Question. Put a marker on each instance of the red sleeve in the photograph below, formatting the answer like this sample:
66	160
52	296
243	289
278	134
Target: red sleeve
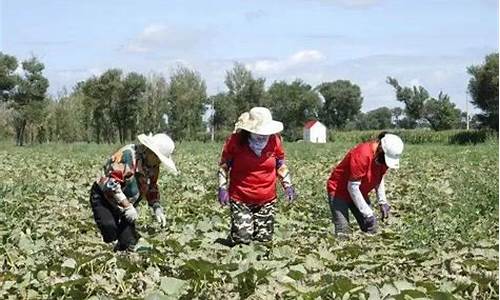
228	149
279	151
358	164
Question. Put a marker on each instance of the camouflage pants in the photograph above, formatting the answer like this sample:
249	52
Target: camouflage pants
252	222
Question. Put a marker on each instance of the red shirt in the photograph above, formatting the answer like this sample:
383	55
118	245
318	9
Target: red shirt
359	163
252	179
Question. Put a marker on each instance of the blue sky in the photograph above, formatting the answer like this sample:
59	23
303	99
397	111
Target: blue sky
426	42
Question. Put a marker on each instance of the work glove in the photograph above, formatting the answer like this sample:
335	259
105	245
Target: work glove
223	196
384	210
370	224
158	213
290	194
130	213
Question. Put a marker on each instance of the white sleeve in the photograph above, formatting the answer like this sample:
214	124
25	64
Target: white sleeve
358	199
380	190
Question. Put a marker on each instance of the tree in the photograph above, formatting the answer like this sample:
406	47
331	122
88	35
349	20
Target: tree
483	88
187	97
414	99
293	104
342	102
225	112
154	105
8	77
397	113
133	87
441	113
244	91
28	97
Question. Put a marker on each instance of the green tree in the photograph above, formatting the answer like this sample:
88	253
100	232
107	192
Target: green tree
483	88
244	90
441	113
8	77
133	87
154	105
414	99
342	102
225	112
28	97
187	97
293	104
397	113
96	99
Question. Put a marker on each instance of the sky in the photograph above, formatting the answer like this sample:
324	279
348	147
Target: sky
426	42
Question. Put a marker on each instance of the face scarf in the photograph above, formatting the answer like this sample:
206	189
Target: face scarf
257	142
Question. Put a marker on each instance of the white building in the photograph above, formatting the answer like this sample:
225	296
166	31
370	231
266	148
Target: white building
314	132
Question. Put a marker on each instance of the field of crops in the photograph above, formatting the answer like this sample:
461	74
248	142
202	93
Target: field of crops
440	243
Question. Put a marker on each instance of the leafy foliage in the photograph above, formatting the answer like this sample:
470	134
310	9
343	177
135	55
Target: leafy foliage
440	243
342	102
483	87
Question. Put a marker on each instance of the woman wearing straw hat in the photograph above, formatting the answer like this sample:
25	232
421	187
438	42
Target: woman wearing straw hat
130	174
361	171
252	159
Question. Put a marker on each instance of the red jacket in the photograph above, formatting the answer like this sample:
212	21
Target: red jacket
359	163
252	179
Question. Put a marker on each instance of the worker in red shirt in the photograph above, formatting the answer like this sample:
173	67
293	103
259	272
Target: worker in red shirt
252	159
361	171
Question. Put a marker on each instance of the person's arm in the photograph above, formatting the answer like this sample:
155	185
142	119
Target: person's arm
380	191
283	172
384	206
358	199
111	184
358	167
225	164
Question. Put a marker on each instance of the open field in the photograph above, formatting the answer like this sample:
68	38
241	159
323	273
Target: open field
440	243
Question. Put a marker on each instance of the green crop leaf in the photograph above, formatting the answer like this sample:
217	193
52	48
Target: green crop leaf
172	286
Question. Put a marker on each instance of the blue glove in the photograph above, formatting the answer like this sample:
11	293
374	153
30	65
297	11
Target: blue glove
290	193
384	210
223	196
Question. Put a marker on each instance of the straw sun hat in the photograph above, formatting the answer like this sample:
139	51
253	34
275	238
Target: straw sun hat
259	121
163	146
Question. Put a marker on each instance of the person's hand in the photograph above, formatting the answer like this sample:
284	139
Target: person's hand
384	210
130	213
159	215
290	193
371	224
223	196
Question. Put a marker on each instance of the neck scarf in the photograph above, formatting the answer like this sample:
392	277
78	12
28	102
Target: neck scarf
257	142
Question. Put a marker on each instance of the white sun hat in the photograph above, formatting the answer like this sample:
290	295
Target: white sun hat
259	121
393	147
163	146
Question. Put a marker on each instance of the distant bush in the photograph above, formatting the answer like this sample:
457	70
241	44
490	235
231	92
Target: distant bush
472	137
416	136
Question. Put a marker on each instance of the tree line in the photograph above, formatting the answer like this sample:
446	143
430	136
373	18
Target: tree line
116	106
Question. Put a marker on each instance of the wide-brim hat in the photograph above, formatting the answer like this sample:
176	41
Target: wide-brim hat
392	145
259	121
161	145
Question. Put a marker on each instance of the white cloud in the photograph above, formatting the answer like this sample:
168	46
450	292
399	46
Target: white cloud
157	36
300	58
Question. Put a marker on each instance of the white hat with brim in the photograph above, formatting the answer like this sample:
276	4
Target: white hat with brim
393	148
160	144
259	121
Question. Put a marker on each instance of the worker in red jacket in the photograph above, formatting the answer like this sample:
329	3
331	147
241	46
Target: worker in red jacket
252	159
361	171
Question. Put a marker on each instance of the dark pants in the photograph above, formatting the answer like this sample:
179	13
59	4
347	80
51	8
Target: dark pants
252	222
340	215
110	222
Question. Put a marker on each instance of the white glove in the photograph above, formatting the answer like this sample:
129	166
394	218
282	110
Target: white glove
130	213
158	212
